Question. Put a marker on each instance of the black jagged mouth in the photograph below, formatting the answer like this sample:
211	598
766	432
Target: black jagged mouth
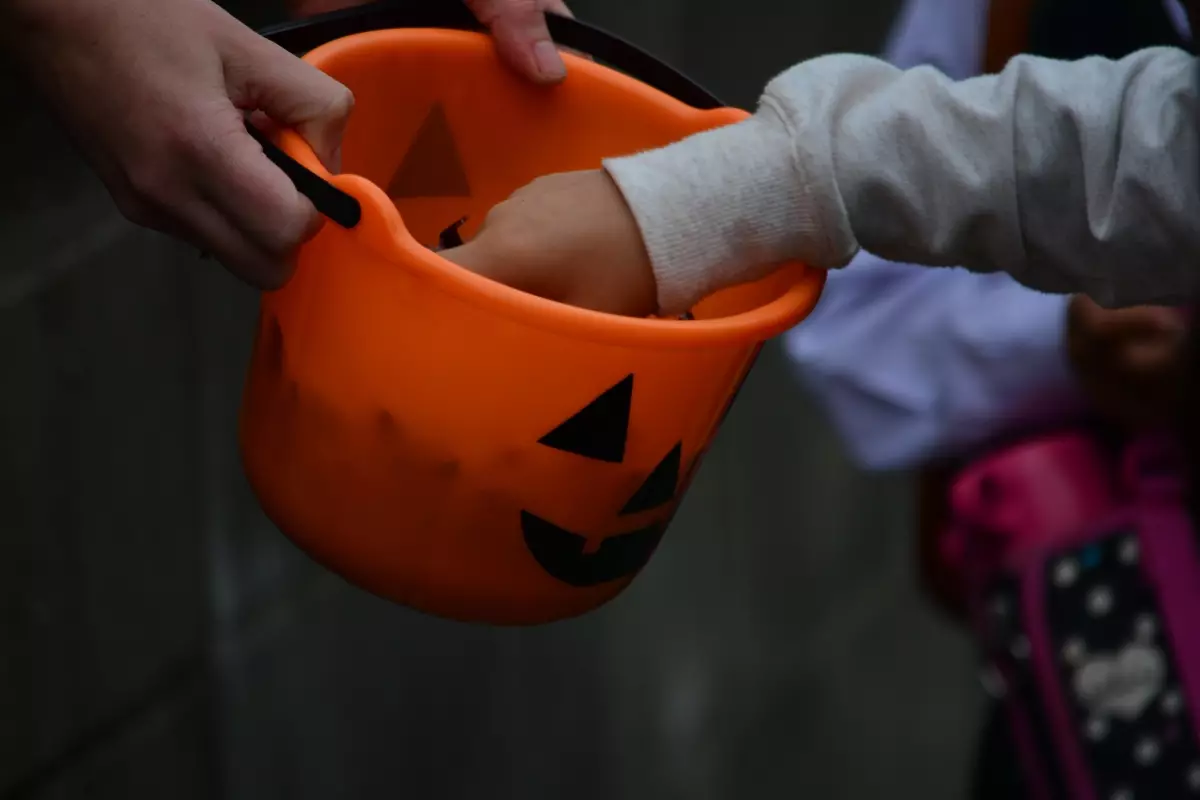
560	552
451	237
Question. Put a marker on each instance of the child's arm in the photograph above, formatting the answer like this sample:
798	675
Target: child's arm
913	364
1073	176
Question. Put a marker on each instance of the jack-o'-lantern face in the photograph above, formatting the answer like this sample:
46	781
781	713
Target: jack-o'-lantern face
444	442
598	432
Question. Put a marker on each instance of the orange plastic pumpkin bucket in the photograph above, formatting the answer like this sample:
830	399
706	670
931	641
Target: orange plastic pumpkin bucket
440	439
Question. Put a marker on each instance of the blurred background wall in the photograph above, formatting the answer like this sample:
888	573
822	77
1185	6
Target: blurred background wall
159	639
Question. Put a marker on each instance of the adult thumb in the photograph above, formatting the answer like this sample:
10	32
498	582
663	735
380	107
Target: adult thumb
522	36
293	94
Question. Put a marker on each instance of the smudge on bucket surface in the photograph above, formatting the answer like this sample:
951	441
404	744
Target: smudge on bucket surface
404	453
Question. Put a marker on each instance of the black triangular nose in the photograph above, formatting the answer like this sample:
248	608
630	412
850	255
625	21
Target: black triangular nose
659	487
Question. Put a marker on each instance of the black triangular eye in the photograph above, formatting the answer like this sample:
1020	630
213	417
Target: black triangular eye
659	487
599	430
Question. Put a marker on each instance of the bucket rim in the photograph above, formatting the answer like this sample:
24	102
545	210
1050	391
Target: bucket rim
382	230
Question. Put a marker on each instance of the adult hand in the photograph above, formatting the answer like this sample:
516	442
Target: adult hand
519	27
1130	361
154	92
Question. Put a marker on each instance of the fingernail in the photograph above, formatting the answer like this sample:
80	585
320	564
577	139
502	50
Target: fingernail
1169	320
548	62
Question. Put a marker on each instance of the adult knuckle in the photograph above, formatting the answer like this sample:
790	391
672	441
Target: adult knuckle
257	272
519	7
484	10
150	183
278	224
301	225
489	11
134	209
340	100
206	145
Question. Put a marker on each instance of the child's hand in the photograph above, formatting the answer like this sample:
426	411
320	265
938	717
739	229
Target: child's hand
1129	360
568	237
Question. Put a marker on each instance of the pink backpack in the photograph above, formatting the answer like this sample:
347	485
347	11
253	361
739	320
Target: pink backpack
1082	575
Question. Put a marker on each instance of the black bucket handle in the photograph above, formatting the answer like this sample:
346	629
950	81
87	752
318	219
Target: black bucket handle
300	36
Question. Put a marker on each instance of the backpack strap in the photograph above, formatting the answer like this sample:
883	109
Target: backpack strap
1051	28
1008	26
943	587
